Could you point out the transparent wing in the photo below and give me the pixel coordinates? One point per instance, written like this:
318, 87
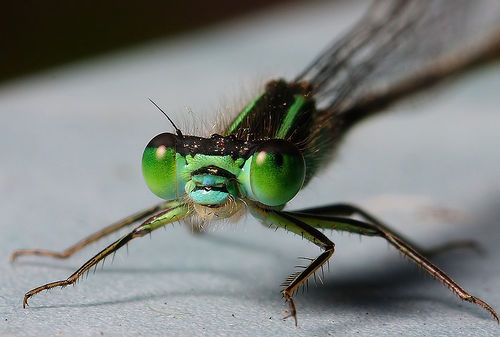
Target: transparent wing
401, 46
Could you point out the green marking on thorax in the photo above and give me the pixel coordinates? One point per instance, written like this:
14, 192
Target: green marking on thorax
291, 114
243, 114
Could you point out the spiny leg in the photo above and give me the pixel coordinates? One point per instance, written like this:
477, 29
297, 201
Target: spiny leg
376, 229
352, 210
93, 237
282, 219
171, 214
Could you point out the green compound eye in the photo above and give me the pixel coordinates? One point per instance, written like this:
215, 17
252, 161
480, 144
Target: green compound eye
277, 172
159, 166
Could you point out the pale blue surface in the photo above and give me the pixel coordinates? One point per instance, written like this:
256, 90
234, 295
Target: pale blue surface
71, 143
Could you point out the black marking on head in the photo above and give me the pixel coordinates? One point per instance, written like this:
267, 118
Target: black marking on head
211, 188
213, 170
216, 145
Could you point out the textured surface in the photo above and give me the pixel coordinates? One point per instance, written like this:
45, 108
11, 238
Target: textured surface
71, 143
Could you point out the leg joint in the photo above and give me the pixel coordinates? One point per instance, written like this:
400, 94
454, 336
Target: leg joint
141, 231
328, 246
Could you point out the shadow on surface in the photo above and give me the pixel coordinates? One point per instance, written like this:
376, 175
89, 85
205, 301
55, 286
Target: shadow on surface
391, 286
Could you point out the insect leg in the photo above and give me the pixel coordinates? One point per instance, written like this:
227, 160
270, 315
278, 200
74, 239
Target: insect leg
377, 229
352, 210
93, 237
171, 214
292, 224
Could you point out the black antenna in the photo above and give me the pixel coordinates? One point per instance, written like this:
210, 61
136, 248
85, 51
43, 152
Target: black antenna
179, 133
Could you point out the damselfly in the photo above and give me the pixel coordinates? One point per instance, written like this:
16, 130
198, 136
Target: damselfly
275, 145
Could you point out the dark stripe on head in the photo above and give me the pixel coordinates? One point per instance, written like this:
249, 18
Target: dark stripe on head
213, 170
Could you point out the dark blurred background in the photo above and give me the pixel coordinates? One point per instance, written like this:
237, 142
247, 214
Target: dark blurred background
36, 35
